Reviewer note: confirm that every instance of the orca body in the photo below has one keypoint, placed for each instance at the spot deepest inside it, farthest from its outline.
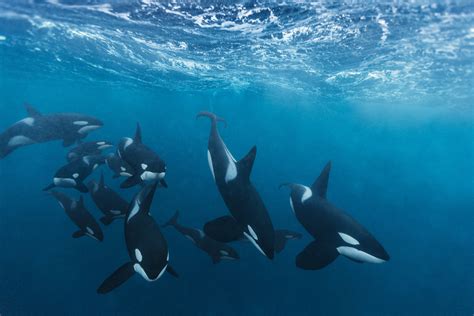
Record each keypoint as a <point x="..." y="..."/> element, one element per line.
<point x="282" y="236"/>
<point x="112" y="205"/>
<point x="80" y="216"/>
<point x="144" y="162"/>
<point x="73" y="174"/>
<point x="335" y="232"/>
<point x="87" y="149"/>
<point x="39" y="128"/>
<point x="147" y="248"/>
<point x="215" y="249"/>
<point x="119" y="167"/>
<point x="249" y="214"/>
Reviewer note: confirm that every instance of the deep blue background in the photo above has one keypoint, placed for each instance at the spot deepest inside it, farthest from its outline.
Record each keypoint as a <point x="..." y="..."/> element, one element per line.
<point x="384" y="91"/>
<point x="407" y="179"/>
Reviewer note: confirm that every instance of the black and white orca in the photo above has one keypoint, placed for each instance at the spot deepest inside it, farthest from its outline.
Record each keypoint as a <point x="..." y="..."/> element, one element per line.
<point x="119" y="167"/>
<point x="147" y="248"/>
<point x="145" y="163"/>
<point x="39" y="128"/>
<point x="215" y="249"/>
<point x="335" y="232"/>
<point x="232" y="178"/>
<point x="78" y="213"/>
<point x="73" y="174"/>
<point x="108" y="201"/>
<point x="87" y="149"/>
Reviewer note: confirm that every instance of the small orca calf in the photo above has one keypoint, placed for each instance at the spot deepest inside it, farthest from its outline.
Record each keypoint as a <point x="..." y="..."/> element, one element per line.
<point x="147" y="248"/>
<point x="78" y="213"/>
<point x="145" y="163"/>
<point x="119" y="167"/>
<point x="336" y="233"/>
<point x="39" y="128"/>
<point x="282" y="236"/>
<point x="87" y="149"/>
<point x="215" y="249"/>
<point x="108" y="201"/>
<point x="73" y="174"/>
<point x="249" y="214"/>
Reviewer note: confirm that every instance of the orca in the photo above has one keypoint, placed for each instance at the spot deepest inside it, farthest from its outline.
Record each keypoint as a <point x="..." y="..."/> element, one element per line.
<point x="225" y="229"/>
<point x="248" y="212"/>
<point x="39" y="128"/>
<point x="87" y="149"/>
<point x="109" y="202"/>
<point x="119" y="167"/>
<point x="215" y="249"/>
<point x="335" y="232"/>
<point x="145" y="163"/>
<point x="78" y="213"/>
<point x="73" y="174"/>
<point x="147" y="248"/>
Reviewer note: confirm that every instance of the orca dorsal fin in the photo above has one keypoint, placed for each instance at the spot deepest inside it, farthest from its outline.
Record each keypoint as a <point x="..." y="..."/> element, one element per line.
<point x="32" y="111"/>
<point x="138" y="134"/>
<point x="245" y="164"/>
<point x="320" y="186"/>
<point x="102" y="182"/>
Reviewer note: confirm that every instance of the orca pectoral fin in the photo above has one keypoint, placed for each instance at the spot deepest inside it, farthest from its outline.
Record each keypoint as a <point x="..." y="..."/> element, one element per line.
<point x="130" y="182"/>
<point x="78" y="234"/>
<point x="172" y="271"/>
<point x="106" y="220"/>
<point x="280" y="242"/>
<point x="82" y="187"/>
<point x="163" y="183"/>
<point x="52" y="185"/>
<point x="117" y="278"/>
<point x="223" y="229"/>
<point x="316" y="256"/>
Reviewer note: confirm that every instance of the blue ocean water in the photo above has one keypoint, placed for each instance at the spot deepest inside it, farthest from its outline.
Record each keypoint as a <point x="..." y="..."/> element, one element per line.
<point x="382" y="89"/>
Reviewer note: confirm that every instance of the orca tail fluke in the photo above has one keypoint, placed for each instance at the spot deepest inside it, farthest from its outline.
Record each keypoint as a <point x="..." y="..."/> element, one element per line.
<point x="117" y="278"/>
<point x="214" y="118"/>
<point x="173" y="221"/>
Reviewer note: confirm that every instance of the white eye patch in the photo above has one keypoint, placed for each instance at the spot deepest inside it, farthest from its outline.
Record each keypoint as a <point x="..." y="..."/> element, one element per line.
<point x="144" y="166"/>
<point x="75" y="175"/>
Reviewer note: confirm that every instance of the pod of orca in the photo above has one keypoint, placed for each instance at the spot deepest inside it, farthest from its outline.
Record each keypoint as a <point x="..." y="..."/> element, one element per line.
<point x="334" y="231"/>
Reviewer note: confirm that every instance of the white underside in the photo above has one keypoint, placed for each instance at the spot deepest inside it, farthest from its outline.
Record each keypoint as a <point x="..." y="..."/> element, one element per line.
<point x="307" y="194"/>
<point x="134" y="211"/>
<point x="254" y="243"/>
<point x="138" y="269"/>
<point x="357" y="254"/>
<point x="86" y="129"/>
<point x="64" y="182"/>
<point x="209" y="160"/>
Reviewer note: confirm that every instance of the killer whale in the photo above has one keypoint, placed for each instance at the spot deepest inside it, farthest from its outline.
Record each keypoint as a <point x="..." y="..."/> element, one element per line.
<point x="109" y="202"/>
<point x="215" y="249"/>
<point x="87" y="149"/>
<point x="40" y="128"/>
<point x="248" y="212"/>
<point x="282" y="236"/>
<point x="78" y="213"/>
<point x="73" y="174"/>
<point x="146" y="245"/>
<point x="145" y="164"/>
<point x="335" y="232"/>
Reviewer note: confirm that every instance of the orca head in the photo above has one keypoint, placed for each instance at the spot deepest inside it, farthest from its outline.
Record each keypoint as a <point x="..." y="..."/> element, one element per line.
<point x="152" y="169"/>
<point x="149" y="263"/>
<point x="262" y="239"/>
<point x="227" y="252"/>
<point x="86" y="124"/>
<point x="362" y="249"/>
